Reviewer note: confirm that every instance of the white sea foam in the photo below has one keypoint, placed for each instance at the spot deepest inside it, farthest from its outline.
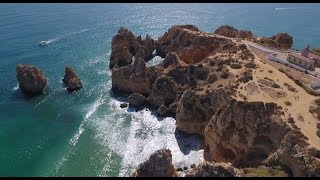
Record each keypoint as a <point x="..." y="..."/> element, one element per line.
<point x="147" y="135"/>
<point x="16" y="87"/>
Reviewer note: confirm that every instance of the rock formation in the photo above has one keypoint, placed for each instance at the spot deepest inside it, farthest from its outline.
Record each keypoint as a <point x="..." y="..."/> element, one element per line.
<point x="158" y="165"/>
<point x="132" y="78"/>
<point x="125" y="45"/>
<point x="207" y="169"/>
<point x="279" y="41"/>
<point x="163" y="92"/>
<point x="229" y="31"/>
<point x="136" y="99"/>
<point x="244" y="133"/>
<point x="31" y="80"/>
<point x="71" y="80"/>
<point x="194" y="111"/>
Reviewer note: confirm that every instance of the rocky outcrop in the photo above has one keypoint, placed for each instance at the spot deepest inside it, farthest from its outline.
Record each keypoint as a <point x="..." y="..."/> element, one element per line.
<point x="190" y="44"/>
<point x="71" y="80"/>
<point x="208" y="169"/>
<point x="229" y="31"/>
<point x="136" y="100"/>
<point x="278" y="41"/>
<point x="164" y="92"/>
<point x="162" y="110"/>
<point x="293" y="154"/>
<point x="195" y="111"/>
<point x="158" y="165"/>
<point x="132" y="78"/>
<point x="31" y="80"/>
<point x="125" y="45"/>
<point x="244" y="133"/>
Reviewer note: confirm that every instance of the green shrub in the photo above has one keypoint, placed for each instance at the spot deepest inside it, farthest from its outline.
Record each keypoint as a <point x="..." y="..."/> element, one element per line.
<point x="317" y="101"/>
<point x="281" y="70"/>
<point x="318" y="125"/>
<point x="270" y="71"/>
<point x="288" y="103"/>
<point x="235" y="66"/>
<point x="224" y="75"/>
<point x="274" y="85"/>
<point x="263" y="171"/>
<point x="201" y="73"/>
<point x="251" y="65"/>
<point x="318" y="133"/>
<point x="212" y="78"/>
<point x="212" y="63"/>
<point x="315" y="152"/>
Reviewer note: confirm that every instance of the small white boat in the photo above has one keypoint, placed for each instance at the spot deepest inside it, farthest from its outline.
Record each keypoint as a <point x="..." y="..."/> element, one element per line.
<point x="43" y="43"/>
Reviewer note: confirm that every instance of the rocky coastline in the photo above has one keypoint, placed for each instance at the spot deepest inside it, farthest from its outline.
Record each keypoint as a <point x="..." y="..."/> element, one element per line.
<point x="197" y="84"/>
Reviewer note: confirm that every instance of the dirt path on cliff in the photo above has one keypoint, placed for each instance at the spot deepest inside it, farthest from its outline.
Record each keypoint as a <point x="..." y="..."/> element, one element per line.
<point x="294" y="104"/>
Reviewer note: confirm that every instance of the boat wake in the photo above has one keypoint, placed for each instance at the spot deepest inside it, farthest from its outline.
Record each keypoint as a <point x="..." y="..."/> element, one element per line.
<point x="46" y="42"/>
<point x="285" y="8"/>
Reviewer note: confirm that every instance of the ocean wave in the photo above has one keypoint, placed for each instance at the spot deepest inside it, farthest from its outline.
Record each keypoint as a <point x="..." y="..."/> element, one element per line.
<point x="285" y="8"/>
<point x="148" y="134"/>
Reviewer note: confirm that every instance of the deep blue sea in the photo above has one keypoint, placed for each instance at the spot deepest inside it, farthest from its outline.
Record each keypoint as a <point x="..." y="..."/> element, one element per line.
<point x="86" y="133"/>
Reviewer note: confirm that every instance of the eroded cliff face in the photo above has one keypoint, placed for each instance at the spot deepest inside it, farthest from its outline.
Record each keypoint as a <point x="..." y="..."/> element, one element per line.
<point x="31" y="79"/>
<point x="244" y="133"/>
<point x="132" y="78"/>
<point x="191" y="44"/>
<point x="125" y="45"/>
<point x="158" y="165"/>
<point x="195" y="111"/>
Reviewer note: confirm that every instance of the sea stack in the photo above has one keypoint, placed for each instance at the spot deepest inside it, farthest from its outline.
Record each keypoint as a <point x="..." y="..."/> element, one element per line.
<point x="71" y="80"/>
<point x="31" y="80"/>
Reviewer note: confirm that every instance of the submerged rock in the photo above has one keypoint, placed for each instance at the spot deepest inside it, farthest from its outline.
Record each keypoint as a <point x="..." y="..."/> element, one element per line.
<point x="158" y="165"/>
<point x="124" y="105"/>
<point x="71" y="80"/>
<point x="31" y="80"/>
<point x="136" y="99"/>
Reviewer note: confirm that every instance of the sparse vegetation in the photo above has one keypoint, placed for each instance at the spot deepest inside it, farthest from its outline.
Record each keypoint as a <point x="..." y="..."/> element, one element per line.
<point x="201" y="73"/>
<point x="263" y="171"/>
<point x="317" y="101"/>
<point x="288" y="103"/>
<point x="224" y="75"/>
<point x="270" y="71"/>
<point x="212" y="63"/>
<point x="212" y="78"/>
<point x="251" y="65"/>
<point x="235" y="66"/>
<point x="274" y="85"/>
<point x="281" y="70"/>
<point x="314" y="152"/>
<point x="290" y="120"/>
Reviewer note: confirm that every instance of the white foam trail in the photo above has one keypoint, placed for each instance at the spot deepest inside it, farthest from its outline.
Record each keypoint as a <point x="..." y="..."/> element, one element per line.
<point x="16" y="87"/>
<point x="73" y="141"/>
<point x="63" y="36"/>
<point x="285" y="8"/>
<point x="94" y="107"/>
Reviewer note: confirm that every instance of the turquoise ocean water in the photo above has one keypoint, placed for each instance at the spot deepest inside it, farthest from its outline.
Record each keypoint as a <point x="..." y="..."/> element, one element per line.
<point x="87" y="133"/>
